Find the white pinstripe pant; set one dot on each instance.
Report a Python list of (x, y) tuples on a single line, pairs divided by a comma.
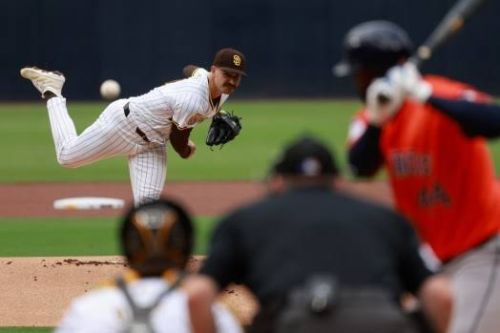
[(112, 134)]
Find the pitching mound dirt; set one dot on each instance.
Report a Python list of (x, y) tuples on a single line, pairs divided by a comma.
[(36, 291)]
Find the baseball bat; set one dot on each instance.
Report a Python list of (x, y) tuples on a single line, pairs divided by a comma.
[(451, 23)]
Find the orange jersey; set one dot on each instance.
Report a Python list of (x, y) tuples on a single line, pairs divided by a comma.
[(443, 181)]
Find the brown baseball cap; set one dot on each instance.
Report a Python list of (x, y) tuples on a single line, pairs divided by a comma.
[(230, 60)]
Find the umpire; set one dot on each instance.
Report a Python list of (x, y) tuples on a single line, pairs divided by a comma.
[(304, 230)]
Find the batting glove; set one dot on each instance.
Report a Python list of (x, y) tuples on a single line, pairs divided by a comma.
[(383, 101), (409, 79)]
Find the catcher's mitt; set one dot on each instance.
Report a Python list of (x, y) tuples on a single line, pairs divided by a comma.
[(224, 128)]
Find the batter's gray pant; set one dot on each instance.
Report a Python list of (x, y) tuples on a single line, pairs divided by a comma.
[(476, 284)]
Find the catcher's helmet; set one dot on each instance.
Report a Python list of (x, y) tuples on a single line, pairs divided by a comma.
[(377, 45), (156, 236)]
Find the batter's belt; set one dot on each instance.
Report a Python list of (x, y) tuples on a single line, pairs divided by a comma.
[(475, 246)]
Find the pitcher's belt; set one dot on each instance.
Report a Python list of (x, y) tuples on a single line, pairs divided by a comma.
[(143, 135)]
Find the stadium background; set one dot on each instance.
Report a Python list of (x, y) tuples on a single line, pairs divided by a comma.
[(290, 45)]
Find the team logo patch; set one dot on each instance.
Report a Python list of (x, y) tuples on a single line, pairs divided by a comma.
[(407, 163), (236, 60)]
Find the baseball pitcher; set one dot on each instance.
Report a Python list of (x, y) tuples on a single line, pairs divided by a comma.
[(140, 127)]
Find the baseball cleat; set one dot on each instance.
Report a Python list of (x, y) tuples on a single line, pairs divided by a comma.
[(44, 81)]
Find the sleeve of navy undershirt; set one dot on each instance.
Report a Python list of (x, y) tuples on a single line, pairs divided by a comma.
[(365, 157), (476, 119), (412, 268)]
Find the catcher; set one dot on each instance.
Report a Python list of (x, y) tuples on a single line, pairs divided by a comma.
[(156, 239), (140, 127)]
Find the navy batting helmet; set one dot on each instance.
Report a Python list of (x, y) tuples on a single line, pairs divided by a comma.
[(156, 236), (377, 45)]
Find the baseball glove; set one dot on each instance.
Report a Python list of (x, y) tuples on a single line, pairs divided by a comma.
[(224, 128)]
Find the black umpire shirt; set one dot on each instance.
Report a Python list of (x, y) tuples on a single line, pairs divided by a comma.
[(274, 244)]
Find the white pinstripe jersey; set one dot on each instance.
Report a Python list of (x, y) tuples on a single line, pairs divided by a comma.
[(186, 102)]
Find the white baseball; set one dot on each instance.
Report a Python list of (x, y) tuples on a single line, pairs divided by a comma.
[(110, 89)]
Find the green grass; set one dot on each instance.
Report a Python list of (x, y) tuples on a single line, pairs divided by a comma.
[(25, 138), (26, 237), (26, 141)]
